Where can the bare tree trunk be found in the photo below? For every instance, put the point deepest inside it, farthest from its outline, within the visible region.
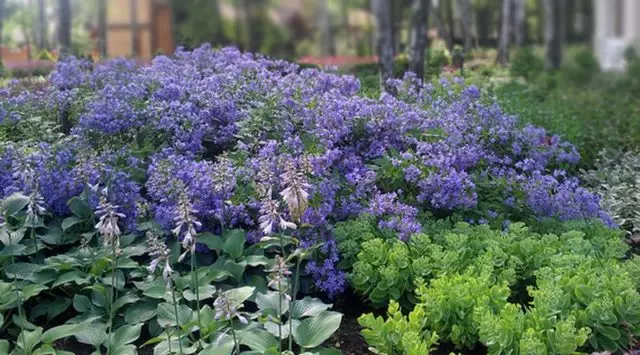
(440, 24)
(418, 36)
(64, 27)
(519, 8)
(326, 32)
(1, 25)
(384, 42)
(41, 34)
(505, 32)
(554, 32)
(464, 6)
(102, 28)
(345, 24)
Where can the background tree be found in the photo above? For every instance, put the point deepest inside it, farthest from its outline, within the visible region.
(519, 9)
(443, 28)
(464, 9)
(554, 32)
(64, 27)
(325, 29)
(505, 32)
(418, 28)
(135, 38)
(41, 32)
(384, 42)
(102, 27)
(2, 16)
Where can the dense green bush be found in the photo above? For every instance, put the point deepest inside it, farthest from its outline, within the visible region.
(516, 291)
(526, 64)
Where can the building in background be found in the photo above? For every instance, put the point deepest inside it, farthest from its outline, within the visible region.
(139, 28)
(617, 28)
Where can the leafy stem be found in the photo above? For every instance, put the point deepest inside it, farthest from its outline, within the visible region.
(194, 272)
(175, 310)
(112, 294)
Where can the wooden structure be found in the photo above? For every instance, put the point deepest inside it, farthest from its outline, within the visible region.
(617, 28)
(150, 20)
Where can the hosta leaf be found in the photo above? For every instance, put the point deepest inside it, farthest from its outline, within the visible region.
(91, 335)
(15, 203)
(234, 243)
(21, 270)
(126, 334)
(167, 318)
(238, 295)
(257, 339)
(205, 292)
(57, 306)
(222, 345)
(27, 340)
(314, 331)
(308, 307)
(81, 303)
(271, 302)
(69, 222)
(273, 328)
(4, 346)
(79, 208)
(76, 276)
(61, 331)
(124, 300)
(214, 242)
(32, 290)
(140, 312)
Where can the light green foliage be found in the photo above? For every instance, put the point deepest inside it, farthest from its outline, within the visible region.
(398, 334)
(351, 234)
(449, 304)
(515, 291)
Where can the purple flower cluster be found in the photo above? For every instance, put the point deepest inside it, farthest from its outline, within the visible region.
(221, 127)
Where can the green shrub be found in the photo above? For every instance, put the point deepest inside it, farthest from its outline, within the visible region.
(582, 67)
(514, 291)
(526, 64)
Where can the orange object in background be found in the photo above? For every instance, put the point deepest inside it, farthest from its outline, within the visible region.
(153, 20)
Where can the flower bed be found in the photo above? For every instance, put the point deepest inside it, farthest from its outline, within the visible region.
(253, 165)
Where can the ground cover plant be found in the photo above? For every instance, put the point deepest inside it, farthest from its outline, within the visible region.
(219, 202)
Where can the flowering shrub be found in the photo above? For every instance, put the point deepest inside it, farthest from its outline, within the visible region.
(206, 146)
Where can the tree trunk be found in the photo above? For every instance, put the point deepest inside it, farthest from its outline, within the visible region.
(41, 34)
(102, 28)
(442, 27)
(554, 32)
(483, 24)
(505, 32)
(327, 46)
(1, 25)
(384, 42)
(570, 20)
(345, 24)
(418, 28)
(519, 8)
(587, 21)
(465, 23)
(451, 24)
(64, 27)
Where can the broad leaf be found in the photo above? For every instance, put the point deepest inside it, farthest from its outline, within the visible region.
(15, 203)
(204, 292)
(257, 339)
(91, 335)
(271, 302)
(308, 307)
(61, 331)
(214, 242)
(140, 312)
(167, 318)
(238, 295)
(316, 330)
(234, 243)
(69, 222)
(79, 208)
(126, 334)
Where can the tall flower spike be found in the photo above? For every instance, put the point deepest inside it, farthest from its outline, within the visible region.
(107, 226)
(270, 218)
(226, 309)
(278, 275)
(159, 256)
(295, 194)
(35, 208)
(186, 221)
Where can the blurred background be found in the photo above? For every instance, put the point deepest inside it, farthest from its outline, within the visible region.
(319, 32)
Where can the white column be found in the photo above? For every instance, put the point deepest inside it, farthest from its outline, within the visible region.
(632, 24)
(605, 17)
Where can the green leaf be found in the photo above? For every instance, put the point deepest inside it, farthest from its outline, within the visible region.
(119, 279)
(308, 307)
(316, 330)
(4, 346)
(238, 295)
(69, 222)
(271, 302)
(22, 322)
(205, 292)
(21, 270)
(257, 260)
(61, 331)
(79, 208)
(57, 306)
(234, 243)
(15, 203)
(32, 290)
(76, 276)
(29, 339)
(140, 312)
(609, 332)
(126, 334)
(273, 328)
(257, 339)
(222, 345)
(81, 303)
(124, 300)
(13, 250)
(92, 335)
(214, 242)
(167, 318)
